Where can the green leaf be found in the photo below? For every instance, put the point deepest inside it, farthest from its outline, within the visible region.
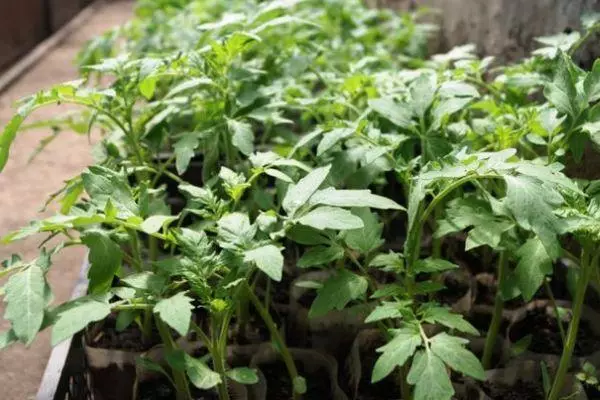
(331, 138)
(368, 238)
(243, 375)
(331, 218)
(25, 298)
(561, 92)
(452, 351)
(147, 280)
(148, 364)
(275, 173)
(148, 86)
(7, 338)
(306, 235)
(429, 265)
(445, 317)
(396, 352)
(103, 184)
(320, 255)
(353, 198)
(387, 310)
(445, 108)
(105, 258)
(155, 223)
(242, 136)
(297, 195)
(185, 149)
(176, 312)
(200, 374)
(300, 385)
(399, 114)
(235, 228)
(591, 84)
(534, 264)
(189, 84)
(428, 374)
(422, 92)
(268, 259)
(76, 316)
(457, 89)
(337, 292)
(124, 319)
(532, 203)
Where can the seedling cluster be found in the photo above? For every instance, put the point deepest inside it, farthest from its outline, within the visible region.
(248, 150)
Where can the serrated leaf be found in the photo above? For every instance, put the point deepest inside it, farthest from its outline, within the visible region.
(243, 375)
(396, 352)
(200, 374)
(534, 264)
(25, 302)
(386, 310)
(103, 184)
(331, 218)
(297, 195)
(185, 149)
(331, 138)
(105, 257)
(268, 259)
(242, 136)
(368, 238)
(429, 265)
(532, 203)
(76, 316)
(399, 114)
(155, 223)
(561, 92)
(452, 351)
(320, 255)
(353, 198)
(445, 317)
(176, 312)
(428, 374)
(337, 292)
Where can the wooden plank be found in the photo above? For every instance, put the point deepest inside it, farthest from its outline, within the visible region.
(23, 26)
(62, 11)
(53, 383)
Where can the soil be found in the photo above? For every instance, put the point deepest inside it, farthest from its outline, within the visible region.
(546, 335)
(279, 386)
(486, 293)
(592, 392)
(519, 391)
(104, 335)
(457, 286)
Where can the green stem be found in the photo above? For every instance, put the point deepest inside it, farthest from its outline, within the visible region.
(563, 336)
(276, 336)
(583, 39)
(565, 358)
(219, 349)
(147, 326)
(492, 334)
(181, 382)
(437, 241)
(136, 251)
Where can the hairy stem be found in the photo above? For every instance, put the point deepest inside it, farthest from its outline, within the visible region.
(567, 353)
(563, 335)
(181, 383)
(492, 334)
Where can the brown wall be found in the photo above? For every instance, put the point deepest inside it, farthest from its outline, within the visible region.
(25, 23)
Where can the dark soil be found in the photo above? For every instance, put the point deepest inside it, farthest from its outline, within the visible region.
(592, 392)
(104, 335)
(457, 286)
(486, 293)
(519, 391)
(546, 335)
(279, 386)
(161, 389)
